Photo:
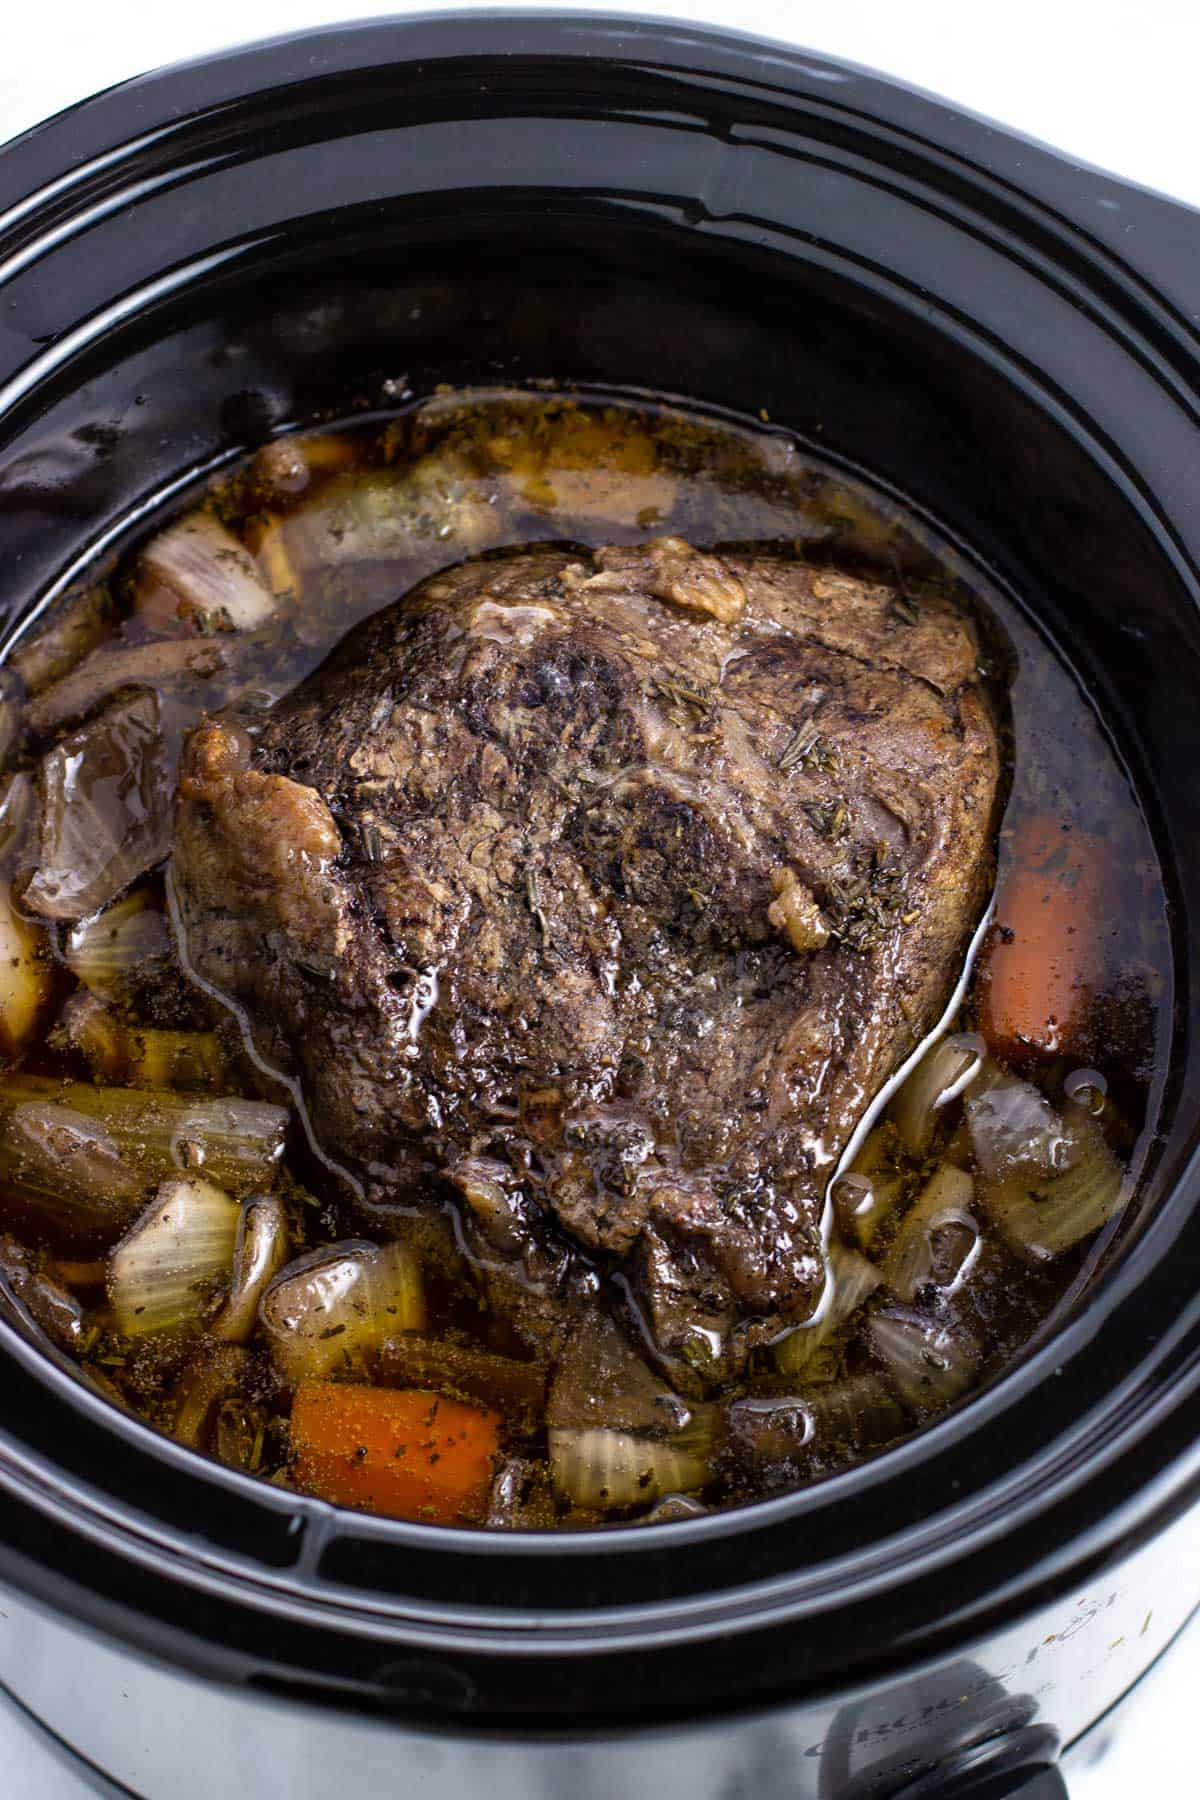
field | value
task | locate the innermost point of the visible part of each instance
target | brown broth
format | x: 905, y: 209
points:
x: 343, y: 523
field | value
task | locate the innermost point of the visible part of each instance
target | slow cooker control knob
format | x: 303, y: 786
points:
x: 1020, y: 1765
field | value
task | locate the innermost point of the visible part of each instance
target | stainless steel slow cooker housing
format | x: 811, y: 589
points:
x: 1008, y: 342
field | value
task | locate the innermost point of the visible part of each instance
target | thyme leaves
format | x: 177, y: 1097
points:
x: 678, y: 693
x: 828, y: 818
x: 868, y: 905
x: 807, y: 749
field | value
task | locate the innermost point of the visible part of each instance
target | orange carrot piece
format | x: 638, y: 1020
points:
x: 406, y: 1453
x: 1040, y: 962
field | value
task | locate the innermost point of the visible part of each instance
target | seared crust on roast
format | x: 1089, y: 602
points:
x: 604, y: 891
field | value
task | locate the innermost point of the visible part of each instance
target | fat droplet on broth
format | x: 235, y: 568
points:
x: 1087, y: 1088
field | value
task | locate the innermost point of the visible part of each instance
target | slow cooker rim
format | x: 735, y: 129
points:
x: 897, y: 105
x: 647, y: 1537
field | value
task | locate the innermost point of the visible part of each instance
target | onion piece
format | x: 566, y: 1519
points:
x: 941, y: 1211
x: 608, y: 1471
x: 144, y: 1055
x: 1042, y: 1214
x: 927, y: 1364
x: 25, y: 976
x: 851, y: 1416
x: 175, y: 1059
x: 1046, y: 1181
x: 67, y: 1168
x: 333, y: 1309
x: 770, y: 1432
x: 104, y: 810
x: 16, y: 818
x: 163, y: 1271
x: 238, y: 1143
x: 380, y: 514
x: 219, y: 1373
x: 211, y: 575
x: 946, y: 1070
x: 123, y: 949
x: 866, y: 1197
x: 259, y: 1253
x: 854, y: 1280
x: 87, y: 1025
x: 619, y: 1436
x: 50, y: 1305
x: 1014, y: 1127
x: 783, y: 1436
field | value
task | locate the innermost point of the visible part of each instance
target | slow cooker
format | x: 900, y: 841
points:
x: 1010, y: 344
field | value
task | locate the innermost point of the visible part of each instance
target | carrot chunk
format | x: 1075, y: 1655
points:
x: 1040, y: 963
x: 407, y: 1453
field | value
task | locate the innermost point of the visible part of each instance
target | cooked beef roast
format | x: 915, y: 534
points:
x: 602, y: 891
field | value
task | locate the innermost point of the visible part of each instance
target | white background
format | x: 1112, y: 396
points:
x: 1115, y: 82
x: 1111, y: 82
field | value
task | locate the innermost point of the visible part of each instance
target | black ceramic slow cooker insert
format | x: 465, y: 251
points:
x: 1007, y: 342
